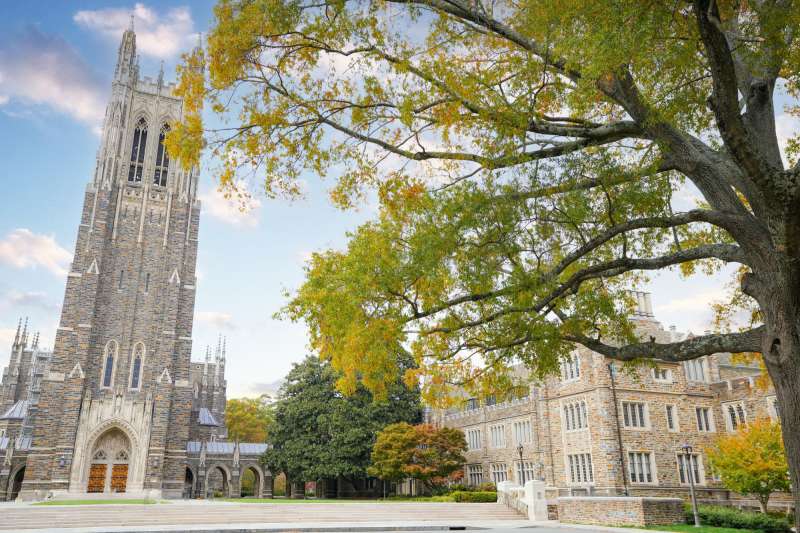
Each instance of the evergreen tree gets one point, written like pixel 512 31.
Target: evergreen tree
pixel 320 433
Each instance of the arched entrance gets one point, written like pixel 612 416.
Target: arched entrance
pixel 108 469
pixel 188 484
pixel 16 484
pixel 251 481
pixel 217 483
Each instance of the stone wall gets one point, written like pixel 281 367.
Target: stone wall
pixel 621 511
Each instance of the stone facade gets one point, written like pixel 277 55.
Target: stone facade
pixel 624 511
pixel 599 429
pixel 118 406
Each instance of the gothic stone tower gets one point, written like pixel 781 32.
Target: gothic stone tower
pixel 114 410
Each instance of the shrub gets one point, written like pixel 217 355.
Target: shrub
pixel 474 497
pixel 487 487
pixel 712 515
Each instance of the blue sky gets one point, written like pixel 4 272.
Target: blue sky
pixel 56 63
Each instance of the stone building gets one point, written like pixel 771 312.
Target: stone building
pixel 600 430
pixel 118 407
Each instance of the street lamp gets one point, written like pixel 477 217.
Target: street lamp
pixel 521 464
pixel 687 450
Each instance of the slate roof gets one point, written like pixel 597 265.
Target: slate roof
pixel 226 448
pixel 16 411
pixel 206 418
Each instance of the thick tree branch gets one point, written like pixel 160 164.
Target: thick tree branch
pixel 748 341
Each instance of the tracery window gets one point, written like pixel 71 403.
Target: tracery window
pixel 136 367
pixel 108 365
pixel 162 159
pixel 137 152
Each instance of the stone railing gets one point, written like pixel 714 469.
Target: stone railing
pixel 529 501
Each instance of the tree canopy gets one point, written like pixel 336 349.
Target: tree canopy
pixel 320 433
pixel 752 461
pixel 424 452
pixel 527 158
pixel 248 419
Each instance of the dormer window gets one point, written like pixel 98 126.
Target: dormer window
pixel 136 168
pixel 162 160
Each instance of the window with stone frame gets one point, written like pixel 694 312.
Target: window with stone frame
pixel 575 415
pixel 499 472
pixel 138 148
pixel 690 464
pixel 641 468
pixel 471 404
pixel 526 468
pixel 571 368
pixel 580 468
pixel 695 370
pixel 634 415
pixel 109 362
pixel 497 434
pixel 705 419
pixel 522 432
pixel 162 159
pixel 672 417
pixel 475 474
pixel 137 365
pixel 474 439
pixel 734 415
pixel 662 375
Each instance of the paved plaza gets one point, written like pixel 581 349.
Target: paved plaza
pixel 240 517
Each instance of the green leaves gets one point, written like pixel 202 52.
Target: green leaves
pixel 319 433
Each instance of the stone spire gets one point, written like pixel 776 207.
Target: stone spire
pixel 24 338
pixel 126 56
pixel 17 336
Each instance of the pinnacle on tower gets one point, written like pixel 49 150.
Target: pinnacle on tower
pixel 224 348
pixel 218 353
pixel 17 337
pixel 130 28
pixel 208 353
pixel 25 333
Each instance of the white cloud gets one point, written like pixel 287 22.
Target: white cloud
pixel 700 301
pixel 215 319
pixel 41 69
pixel 240 209
pixel 786 127
pixel 161 35
pixel 24 249
pixel 35 299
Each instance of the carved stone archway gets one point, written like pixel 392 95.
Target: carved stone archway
pixel 108 467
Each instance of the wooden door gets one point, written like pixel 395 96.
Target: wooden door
pixel 119 478
pixel 97 478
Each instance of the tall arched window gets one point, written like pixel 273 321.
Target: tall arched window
pixel 137 151
pixel 136 366
pixel 162 159
pixel 109 358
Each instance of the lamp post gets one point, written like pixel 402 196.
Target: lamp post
pixel 521 464
pixel 687 450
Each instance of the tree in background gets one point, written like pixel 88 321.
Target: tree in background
pixel 248 419
pixel 752 461
pixel 432 455
pixel 529 158
pixel 320 433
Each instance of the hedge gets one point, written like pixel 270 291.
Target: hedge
pixel 713 515
pixel 474 497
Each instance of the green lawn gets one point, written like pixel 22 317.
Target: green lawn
pixel 686 528
pixel 100 502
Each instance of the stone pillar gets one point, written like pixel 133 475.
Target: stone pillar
pixel 269 485
pixel 235 490
pixel 5 482
pixel 298 490
pixel 201 483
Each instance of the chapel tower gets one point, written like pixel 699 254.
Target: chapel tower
pixel 114 409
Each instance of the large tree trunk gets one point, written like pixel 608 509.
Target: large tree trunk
pixel 782 358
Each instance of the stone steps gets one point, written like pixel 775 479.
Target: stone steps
pixel 22 517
